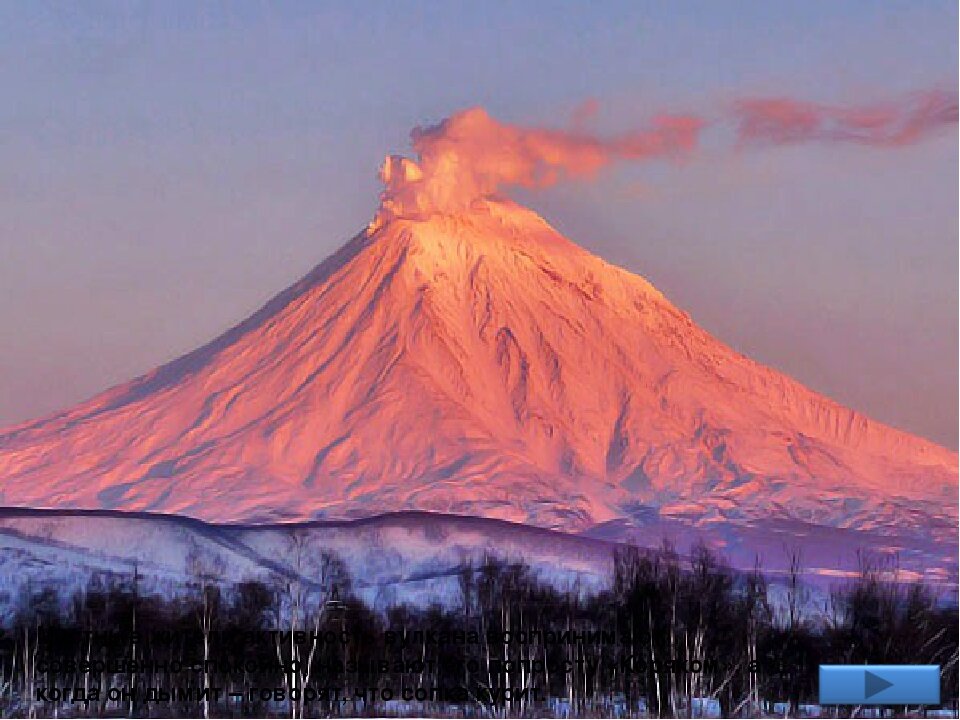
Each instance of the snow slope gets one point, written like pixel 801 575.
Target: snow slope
pixel 402 557
pixel 479 363
pixel 409 557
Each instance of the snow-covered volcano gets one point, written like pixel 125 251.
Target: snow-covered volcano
pixel 479 363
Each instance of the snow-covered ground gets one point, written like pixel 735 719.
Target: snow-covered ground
pixel 405 557
pixel 401 557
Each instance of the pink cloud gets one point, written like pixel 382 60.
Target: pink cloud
pixel 471 155
pixel 892 123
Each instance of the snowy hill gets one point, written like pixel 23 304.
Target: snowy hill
pixel 402 557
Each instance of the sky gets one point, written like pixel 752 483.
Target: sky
pixel 165 168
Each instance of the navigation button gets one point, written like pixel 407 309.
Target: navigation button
pixel 879 684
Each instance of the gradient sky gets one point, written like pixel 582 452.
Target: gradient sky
pixel 167 167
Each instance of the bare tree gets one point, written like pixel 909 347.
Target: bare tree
pixel 318 579
pixel 206 574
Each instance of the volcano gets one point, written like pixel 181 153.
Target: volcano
pixel 479 363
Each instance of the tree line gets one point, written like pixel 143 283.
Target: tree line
pixel 670 636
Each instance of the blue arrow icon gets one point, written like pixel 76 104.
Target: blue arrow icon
pixel 872 684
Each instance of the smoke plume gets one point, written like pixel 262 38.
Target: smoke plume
pixel 471 155
pixel 893 123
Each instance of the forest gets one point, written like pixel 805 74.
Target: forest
pixel 671 636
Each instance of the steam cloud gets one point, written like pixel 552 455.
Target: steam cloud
pixel 781 121
pixel 470 155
